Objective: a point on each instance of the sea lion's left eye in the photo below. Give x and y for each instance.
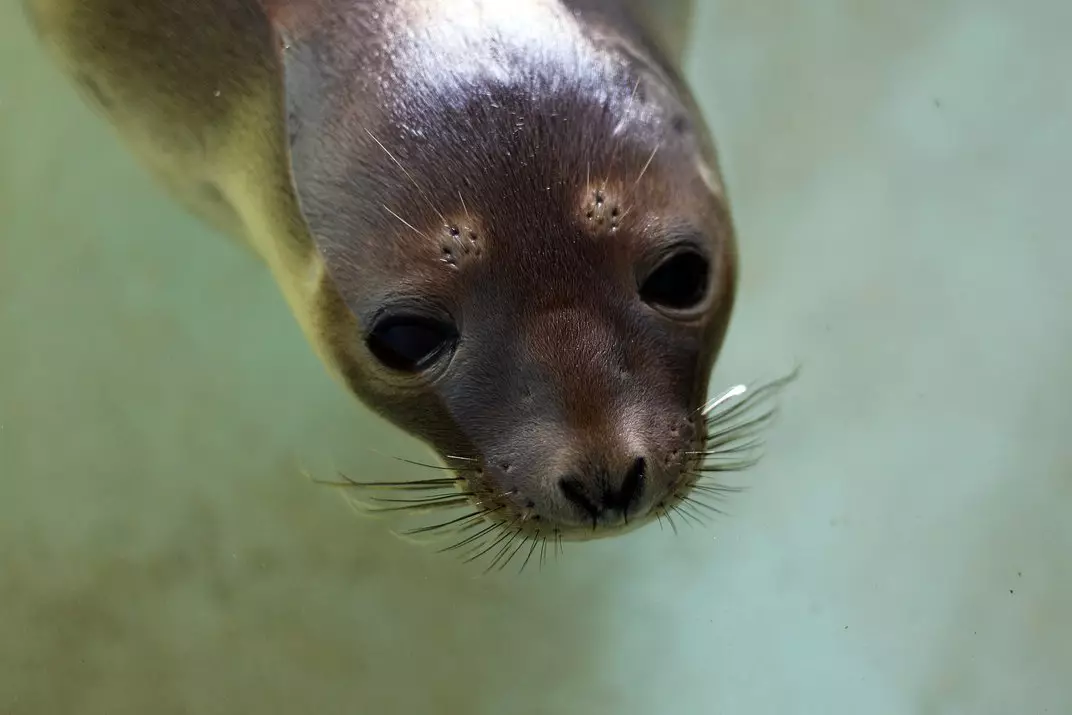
(679, 283)
(410, 343)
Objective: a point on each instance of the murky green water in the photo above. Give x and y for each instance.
(899, 173)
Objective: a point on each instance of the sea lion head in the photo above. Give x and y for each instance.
(524, 227)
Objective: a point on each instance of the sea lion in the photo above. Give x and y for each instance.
(501, 224)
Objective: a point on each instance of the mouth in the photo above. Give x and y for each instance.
(459, 512)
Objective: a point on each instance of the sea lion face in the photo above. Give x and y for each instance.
(541, 273)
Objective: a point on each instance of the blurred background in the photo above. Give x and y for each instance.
(899, 173)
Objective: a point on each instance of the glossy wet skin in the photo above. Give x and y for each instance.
(540, 271)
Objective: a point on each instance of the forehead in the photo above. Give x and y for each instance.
(518, 237)
(553, 164)
(512, 172)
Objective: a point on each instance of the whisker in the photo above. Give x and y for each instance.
(473, 549)
(632, 96)
(475, 517)
(466, 528)
(412, 180)
(644, 170)
(688, 508)
(419, 508)
(728, 453)
(711, 404)
(722, 451)
(509, 542)
(505, 547)
(469, 539)
(625, 118)
(425, 500)
(429, 466)
(543, 552)
(420, 233)
(684, 516)
(460, 459)
(404, 488)
(646, 165)
(729, 448)
(718, 425)
(735, 438)
(728, 467)
(411, 484)
(751, 395)
(704, 505)
(513, 553)
(457, 530)
(495, 543)
(385, 488)
(739, 439)
(466, 210)
(670, 520)
(730, 461)
(718, 490)
(532, 549)
(740, 430)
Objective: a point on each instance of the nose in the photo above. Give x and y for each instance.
(604, 496)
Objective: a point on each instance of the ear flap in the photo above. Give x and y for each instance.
(319, 50)
(315, 51)
(294, 21)
(668, 21)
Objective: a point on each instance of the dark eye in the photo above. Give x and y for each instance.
(409, 343)
(679, 283)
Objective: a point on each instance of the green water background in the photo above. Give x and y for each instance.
(900, 178)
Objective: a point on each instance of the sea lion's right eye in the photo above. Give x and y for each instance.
(410, 343)
(679, 283)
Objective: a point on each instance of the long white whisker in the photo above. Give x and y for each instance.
(407, 223)
(729, 394)
(408, 176)
(647, 164)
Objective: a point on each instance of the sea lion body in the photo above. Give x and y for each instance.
(502, 183)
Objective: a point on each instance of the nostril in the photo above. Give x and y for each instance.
(633, 484)
(573, 489)
(599, 493)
